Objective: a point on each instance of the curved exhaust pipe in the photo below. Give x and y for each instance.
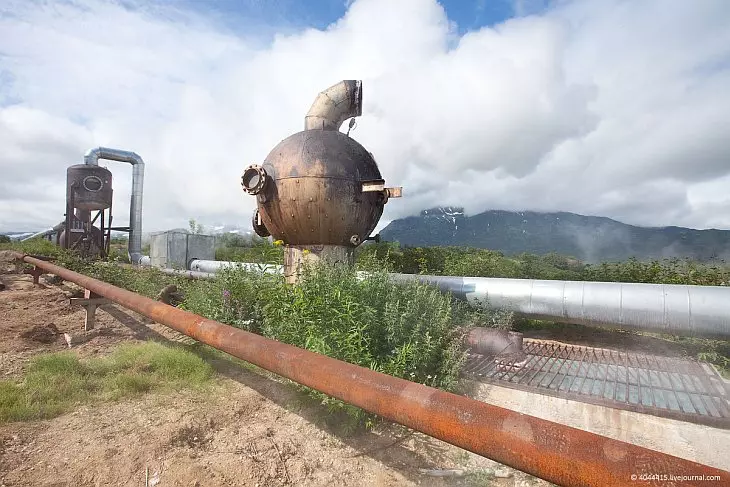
(135, 207)
(335, 105)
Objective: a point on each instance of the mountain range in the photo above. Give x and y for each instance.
(588, 238)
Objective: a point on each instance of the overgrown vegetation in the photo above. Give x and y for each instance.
(57, 382)
(411, 331)
(462, 261)
(145, 281)
(414, 331)
(195, 227)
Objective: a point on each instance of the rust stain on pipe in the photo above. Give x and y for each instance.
(557, 453)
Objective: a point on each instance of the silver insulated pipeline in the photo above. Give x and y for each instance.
(701, 311)
(135, 207)
(661, 308)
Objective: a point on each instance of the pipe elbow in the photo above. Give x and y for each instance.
(335, 105)
(92, 156)
(136, 160)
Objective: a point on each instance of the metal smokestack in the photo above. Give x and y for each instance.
(135, 207)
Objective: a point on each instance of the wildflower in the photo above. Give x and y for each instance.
(278, 242)
(305, 251)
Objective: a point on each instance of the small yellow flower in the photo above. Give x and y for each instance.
(278, 242)
(305, 251)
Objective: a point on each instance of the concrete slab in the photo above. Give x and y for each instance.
(699, 443)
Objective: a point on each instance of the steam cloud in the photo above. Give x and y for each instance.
(597, 107)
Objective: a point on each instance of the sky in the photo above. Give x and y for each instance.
(617, 108)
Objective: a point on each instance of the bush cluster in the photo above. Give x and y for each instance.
(461, 261)
(413, 331)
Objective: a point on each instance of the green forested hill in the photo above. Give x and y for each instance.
(588, 238)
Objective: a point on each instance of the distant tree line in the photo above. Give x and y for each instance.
(464, 261)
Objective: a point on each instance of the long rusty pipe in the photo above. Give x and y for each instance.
(557, 453)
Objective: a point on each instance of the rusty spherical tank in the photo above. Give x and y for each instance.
(310, 190)
(90, 185)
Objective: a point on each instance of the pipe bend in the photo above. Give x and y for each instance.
(335, 105)
(92, 156)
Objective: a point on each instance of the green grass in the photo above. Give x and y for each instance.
(56, 383)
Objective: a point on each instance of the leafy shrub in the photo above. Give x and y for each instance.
(236, 297)
(410, 331)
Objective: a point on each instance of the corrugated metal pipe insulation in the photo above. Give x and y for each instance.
(661, 308)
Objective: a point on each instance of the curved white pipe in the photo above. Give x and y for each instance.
(335, 105)
(188, 274)
(213, 266)
(135, 206)
(45, 232)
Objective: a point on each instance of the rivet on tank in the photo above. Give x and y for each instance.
(319, 191)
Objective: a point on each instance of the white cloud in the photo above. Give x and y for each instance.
(602, 107)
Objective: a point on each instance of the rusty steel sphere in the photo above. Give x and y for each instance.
(91, 186)
(309, 190)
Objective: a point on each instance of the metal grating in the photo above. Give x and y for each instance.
(670, 387)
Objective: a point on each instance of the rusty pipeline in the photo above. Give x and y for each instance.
(557, 453)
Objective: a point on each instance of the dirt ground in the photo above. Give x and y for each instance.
(249, 429)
